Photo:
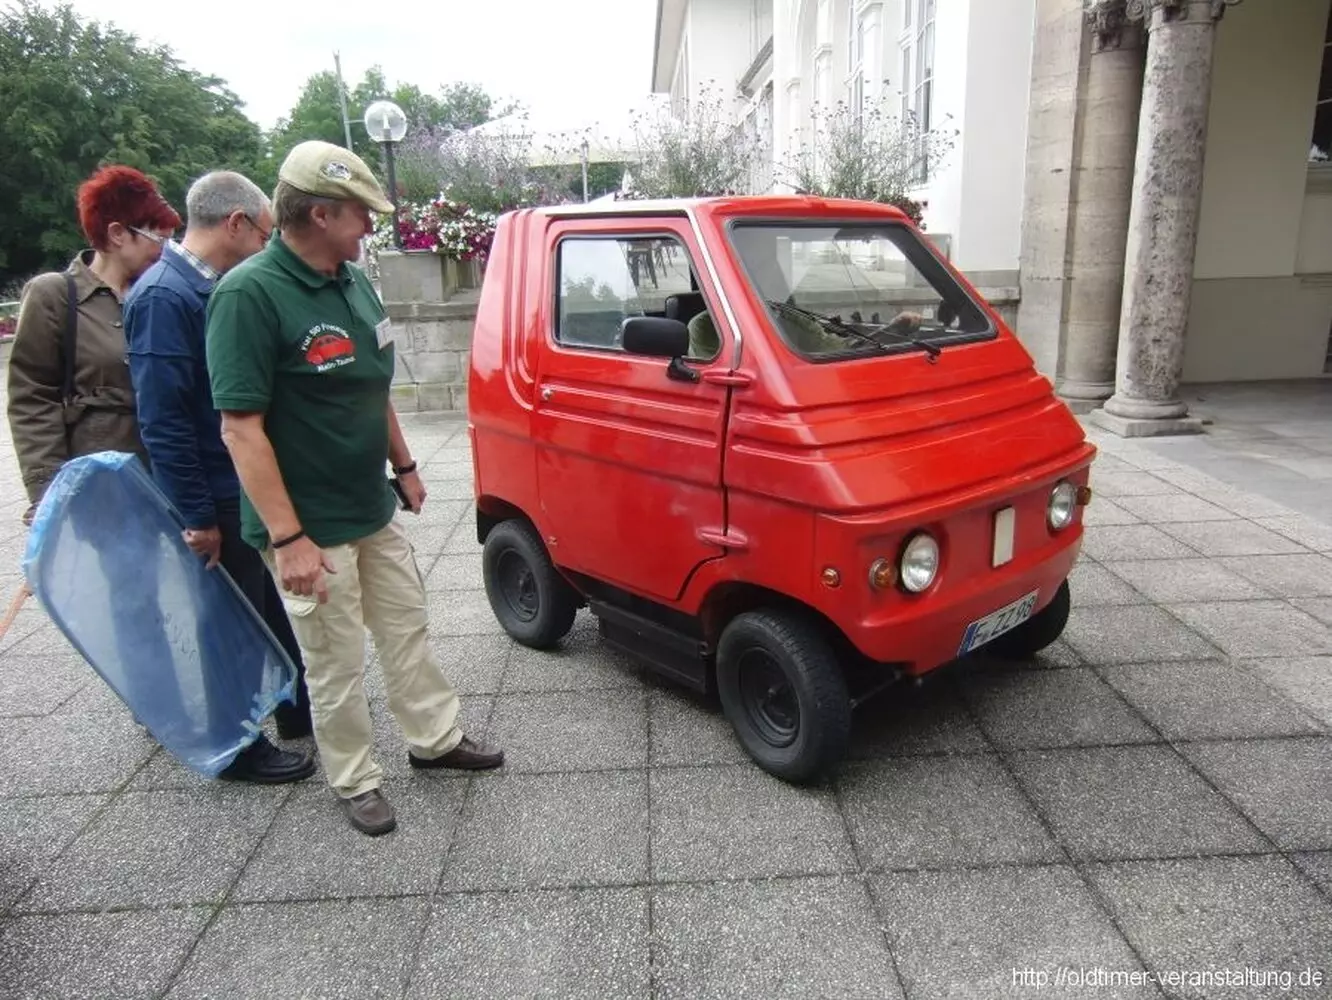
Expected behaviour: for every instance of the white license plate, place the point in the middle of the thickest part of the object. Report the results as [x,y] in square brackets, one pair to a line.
[996,623]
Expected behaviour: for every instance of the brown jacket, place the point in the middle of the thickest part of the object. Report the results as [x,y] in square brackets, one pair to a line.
[101,416]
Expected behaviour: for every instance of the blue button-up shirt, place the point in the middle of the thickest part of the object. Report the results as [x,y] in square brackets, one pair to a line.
[164,328]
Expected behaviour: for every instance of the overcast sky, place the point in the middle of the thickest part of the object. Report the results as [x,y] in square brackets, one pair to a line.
[590,59]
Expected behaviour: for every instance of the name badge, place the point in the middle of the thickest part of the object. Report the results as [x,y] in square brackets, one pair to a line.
[384,333]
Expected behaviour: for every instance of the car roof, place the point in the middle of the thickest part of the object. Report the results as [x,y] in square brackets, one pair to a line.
[729,206]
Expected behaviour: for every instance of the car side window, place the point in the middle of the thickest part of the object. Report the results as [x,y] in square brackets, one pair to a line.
[603,280]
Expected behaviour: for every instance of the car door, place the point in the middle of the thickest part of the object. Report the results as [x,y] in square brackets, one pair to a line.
[629,459]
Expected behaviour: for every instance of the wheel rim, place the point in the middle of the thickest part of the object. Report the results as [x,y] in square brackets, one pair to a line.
[768,699]
[517,585]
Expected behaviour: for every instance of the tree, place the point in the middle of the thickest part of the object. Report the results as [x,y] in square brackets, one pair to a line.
[459,106]
[602,178]
[75,95]
[317,114]
[491,172]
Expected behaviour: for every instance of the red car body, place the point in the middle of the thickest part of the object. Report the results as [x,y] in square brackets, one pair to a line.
[675,504]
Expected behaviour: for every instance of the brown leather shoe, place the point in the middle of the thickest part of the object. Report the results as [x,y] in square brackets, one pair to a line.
[466,756]
[370,813]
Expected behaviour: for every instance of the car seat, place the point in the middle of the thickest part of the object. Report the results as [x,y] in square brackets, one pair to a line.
[684,306]
[704,341]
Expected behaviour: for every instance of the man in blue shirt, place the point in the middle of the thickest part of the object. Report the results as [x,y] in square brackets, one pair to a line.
[228,219]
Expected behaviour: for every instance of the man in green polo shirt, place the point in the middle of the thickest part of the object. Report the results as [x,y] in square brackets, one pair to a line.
[300,360]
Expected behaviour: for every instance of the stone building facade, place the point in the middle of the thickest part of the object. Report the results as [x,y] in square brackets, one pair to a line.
[1177,220]
[958,67]
[1151,174]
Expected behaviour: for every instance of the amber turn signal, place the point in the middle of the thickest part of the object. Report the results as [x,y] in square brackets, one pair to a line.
[882,574]
[1084,496]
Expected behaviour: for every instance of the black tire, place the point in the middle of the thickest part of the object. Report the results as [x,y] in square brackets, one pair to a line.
[1036,632]
[531,601]
[784,694]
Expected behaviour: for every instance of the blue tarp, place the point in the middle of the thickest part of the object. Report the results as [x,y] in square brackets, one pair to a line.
[179,643]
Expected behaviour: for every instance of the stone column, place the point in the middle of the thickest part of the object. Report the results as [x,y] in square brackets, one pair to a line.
[1058,66]
[1163,222]
[1102,193]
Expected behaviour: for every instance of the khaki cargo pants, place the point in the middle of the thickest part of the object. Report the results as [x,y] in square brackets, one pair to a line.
[377,586]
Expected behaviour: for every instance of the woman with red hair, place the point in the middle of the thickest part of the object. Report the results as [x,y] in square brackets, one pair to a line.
[69,381]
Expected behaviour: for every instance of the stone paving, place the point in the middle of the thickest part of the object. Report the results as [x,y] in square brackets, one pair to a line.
[1155,794]
[1272,438]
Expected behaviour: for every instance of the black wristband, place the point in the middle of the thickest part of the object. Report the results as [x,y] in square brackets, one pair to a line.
[289,539]
[402,470]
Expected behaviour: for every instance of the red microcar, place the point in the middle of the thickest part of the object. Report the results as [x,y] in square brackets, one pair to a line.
[777,445]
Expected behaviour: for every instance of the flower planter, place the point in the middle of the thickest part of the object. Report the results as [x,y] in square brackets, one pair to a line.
[413,276]
[443,232]
[425,276]
[464,273]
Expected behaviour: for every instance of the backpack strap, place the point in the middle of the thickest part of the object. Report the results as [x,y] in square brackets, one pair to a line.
[71,334]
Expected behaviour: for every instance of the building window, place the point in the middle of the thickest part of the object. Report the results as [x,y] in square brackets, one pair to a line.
[870,57]
[680,83]
[907,92]
[1321,148]
[757,130]
[760,23]
[855,62]
[819,108]
[794,110]
[917,44]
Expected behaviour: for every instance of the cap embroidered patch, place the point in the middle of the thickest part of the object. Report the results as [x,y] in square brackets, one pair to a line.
[336,171]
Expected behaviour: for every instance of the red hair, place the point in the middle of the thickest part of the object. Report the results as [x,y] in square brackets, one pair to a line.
[124,195]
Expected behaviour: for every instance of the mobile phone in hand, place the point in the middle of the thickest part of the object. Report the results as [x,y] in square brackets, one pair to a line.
[396,483]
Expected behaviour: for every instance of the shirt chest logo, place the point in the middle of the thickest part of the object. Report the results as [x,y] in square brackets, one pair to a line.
[327,347]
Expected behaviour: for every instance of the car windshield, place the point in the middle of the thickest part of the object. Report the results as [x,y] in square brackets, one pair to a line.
[837,291]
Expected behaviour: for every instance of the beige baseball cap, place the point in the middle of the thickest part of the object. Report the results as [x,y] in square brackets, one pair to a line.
[329,171]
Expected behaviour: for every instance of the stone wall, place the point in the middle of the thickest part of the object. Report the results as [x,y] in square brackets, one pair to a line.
[431,304]
[1005,303]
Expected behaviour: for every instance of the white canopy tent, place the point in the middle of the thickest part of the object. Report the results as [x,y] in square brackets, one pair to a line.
[554,142]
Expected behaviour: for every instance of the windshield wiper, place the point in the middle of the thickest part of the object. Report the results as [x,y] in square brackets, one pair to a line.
[835,325]
[933,350]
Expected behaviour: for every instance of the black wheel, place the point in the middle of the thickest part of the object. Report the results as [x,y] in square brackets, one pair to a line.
[784,694]
[1036,632]
[532,602]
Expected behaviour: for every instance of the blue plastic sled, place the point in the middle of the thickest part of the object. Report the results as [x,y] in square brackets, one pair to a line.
[178,643]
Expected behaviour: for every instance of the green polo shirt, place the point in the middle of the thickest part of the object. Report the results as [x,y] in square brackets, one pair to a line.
[301,348]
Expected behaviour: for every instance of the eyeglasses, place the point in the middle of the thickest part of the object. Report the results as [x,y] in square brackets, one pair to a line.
[159,240]
[267,234]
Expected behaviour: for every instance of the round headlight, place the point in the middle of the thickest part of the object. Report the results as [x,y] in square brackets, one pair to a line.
[1063,502]
[920,562]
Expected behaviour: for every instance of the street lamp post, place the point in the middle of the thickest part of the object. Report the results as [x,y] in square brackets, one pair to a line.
[386,124]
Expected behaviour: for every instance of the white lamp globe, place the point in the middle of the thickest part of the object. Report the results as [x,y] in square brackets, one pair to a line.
[385,122]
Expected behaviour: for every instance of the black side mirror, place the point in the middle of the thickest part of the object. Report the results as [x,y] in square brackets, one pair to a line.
[655,337]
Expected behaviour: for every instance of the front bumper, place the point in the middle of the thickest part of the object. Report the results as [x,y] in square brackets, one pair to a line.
[920,632]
